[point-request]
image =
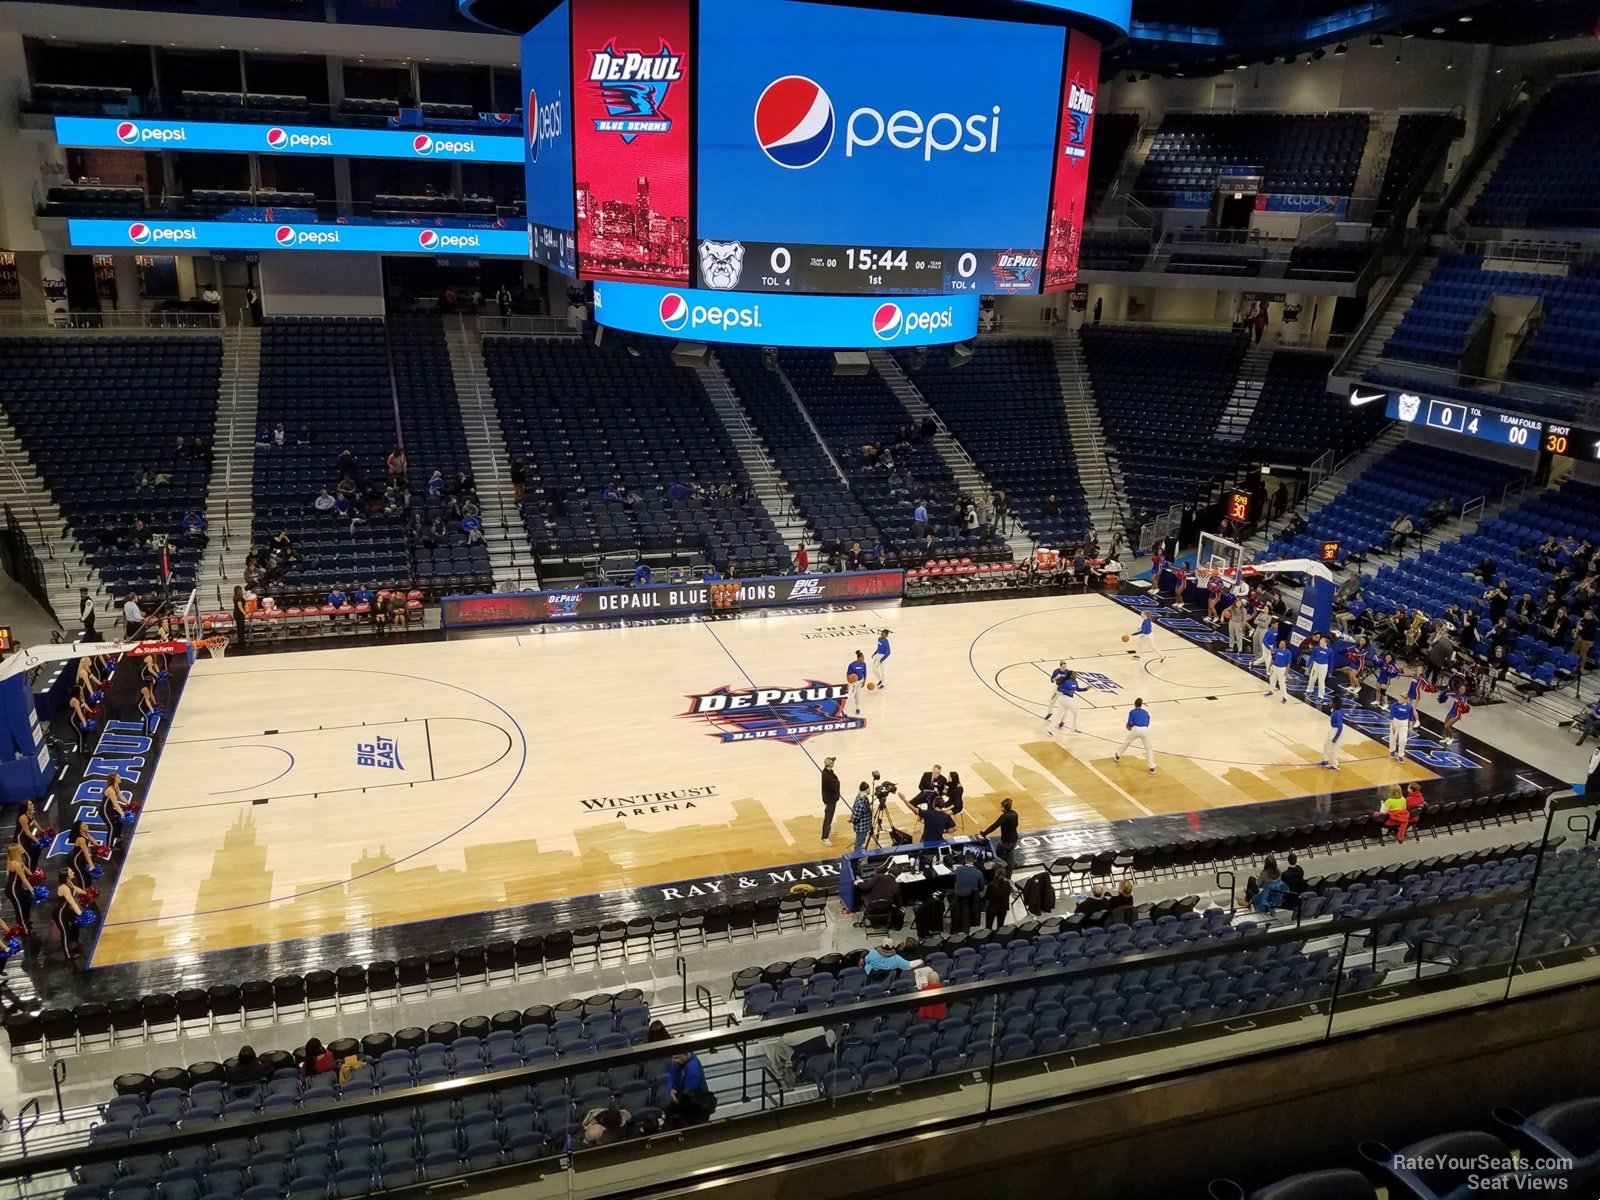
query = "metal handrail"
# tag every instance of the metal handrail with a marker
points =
(233, 420)
(483, 413)
(523, 326)
(144, 318)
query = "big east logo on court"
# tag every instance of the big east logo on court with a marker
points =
(788, 715)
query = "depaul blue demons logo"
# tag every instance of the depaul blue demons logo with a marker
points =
(1016, 271)
(635, 87)
(789, 715)
(1080, 107)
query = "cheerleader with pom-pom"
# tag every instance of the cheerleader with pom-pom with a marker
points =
(19, 886)
(73, 913)
(32, 836)
(114, 811)
(86, 853)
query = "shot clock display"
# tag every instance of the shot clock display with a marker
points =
(1236, 507)
(865, 270)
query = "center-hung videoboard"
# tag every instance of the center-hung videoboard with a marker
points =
(807, 148)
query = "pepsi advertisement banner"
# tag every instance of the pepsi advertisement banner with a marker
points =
(547, 109)
(1069, 193)
(113, 133)
(631, 128)
(181, 236)
(838, 127)
(658, 599)
(839, 322)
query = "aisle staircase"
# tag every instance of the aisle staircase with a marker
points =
(1103, 486)
(1370, 353)
(510, 551)
(1246, 394)
(968, 478)
(65, 567)
(769, 485)
(230, 505)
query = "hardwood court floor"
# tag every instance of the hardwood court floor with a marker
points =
(341, 790)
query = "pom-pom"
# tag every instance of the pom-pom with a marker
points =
(102, 851)
(41, 894)
(36, 876)
(86, 918)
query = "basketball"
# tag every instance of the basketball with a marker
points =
(872, 687)
(1124, 637)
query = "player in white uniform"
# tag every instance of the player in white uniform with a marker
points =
(880, 659)
(1278, 673)
(1064, 700)
(1317, 677)
(1138, 730)
(856, 675)
(1269, 643)
(1330, 745)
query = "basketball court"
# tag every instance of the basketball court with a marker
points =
(339, 790)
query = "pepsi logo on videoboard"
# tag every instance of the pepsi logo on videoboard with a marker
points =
(794, 122)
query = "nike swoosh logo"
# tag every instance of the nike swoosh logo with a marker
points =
(1358, 398)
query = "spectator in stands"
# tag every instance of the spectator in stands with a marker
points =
(919, 520)
(132, 616)
(396, 464)
(1096, 901)
(1052, 506)
(279, 435)
(362, 594)
(1400, 529)
(472, 526)
(325, 502)
(1099, 308)
(194, 525)
(210, 297)
(1559, 630)
(1002, 511)
(1294, 875)
(885, 956)
(337, 597)
(436, 484)
(875, 555)
(997, 898)
(1259, 322)
(392, 503)
(342, 509)
(1485, 572)
(852, 557)
(802, 559)
(315, 1059)
(245, 1073)
(642, 575)
(252, 299)
(710, 574)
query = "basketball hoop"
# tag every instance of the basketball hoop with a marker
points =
(216, 644)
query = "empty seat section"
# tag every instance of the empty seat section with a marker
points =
(1297, 419)
(1302, 153)
(430, 421)
(101, 418)
(1161, 394)
(1005, 406)
(827, 503)
(1550, 175)
(584, 419)
(326, 381)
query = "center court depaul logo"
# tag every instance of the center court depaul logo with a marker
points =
(789, 715)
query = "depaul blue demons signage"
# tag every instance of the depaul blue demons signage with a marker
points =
(784, 319)
(789, 715)
(125, 749)
(265, 235)
(117, 133)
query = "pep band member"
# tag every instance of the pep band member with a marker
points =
(19, 888)
(71, 906)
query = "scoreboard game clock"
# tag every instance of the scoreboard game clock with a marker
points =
(865, 270)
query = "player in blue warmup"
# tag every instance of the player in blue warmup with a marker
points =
(1144, 639)
(1401, 714)
(1269, 643)
(1064, 700)
(856, 675)
(1317, 677)
(1330, 746)
(880, 659)
(1138, 729)
(1278, 673)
